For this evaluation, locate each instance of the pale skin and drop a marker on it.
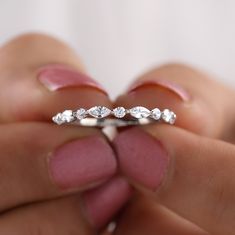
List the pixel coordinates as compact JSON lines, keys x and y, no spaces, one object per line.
{"x":196,"y":202}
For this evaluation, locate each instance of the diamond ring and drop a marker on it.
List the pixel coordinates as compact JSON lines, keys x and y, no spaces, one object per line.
{"x":101,"y":116}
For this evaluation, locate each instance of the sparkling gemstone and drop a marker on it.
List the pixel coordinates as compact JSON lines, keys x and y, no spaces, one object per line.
{"x":119,"y":112}
{"x":67,"y":116}
{"x":80,"y":113}
{"x":156,"y":114}
{"x":139,"y":112}
{"x":99,"y":111}
{"x":168,"y":116}
{"x":58,"y":119}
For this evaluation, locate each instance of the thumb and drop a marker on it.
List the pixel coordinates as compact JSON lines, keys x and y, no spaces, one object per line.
{"x":191,"y":175}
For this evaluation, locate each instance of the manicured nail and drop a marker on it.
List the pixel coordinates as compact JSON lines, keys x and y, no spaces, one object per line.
{"x":82,"y":163}
{"x":166,"y":84}
{"x":103,"y":203}
{"x":142,"y":158}
{"x":55,"y":77}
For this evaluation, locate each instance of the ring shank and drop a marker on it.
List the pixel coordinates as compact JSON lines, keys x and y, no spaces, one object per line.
{"x":94,"y":122}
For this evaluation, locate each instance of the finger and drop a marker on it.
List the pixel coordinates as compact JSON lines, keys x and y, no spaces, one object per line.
{"x":43,"y":161}
{"x":40,"y":76}
{"x":200,"y":103}
{"x":192,"y":175}
{"x":103,"y":203}
{"x":60,"y":216}
{"x":68,"y":215}
{"x":142,"y":216}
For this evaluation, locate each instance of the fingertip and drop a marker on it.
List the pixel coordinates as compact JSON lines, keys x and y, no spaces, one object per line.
{"x":103,"y":203}
{"x":182,"y":90}
{"x":42,"y":76}
{"x":142,"y":158}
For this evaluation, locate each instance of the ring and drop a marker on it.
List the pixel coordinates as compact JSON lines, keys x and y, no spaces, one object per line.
{"x":100,"y":116}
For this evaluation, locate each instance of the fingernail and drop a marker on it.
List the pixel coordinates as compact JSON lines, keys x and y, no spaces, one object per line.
{"x":56,"y":76}
{"x":165,"y":84}
{"x":102,"y":204}
{"x":82,"y":163}
{"x":142,"y":158}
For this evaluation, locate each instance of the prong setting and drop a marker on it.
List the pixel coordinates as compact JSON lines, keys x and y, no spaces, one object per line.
{"x":156,"y":114}
{"x":99,"y":111}
{"x":139,"y":112}
{"x":119,"y":112}
{"x":139,"y":116}
{"x":168,"y":116}
{"x":80,"y":113}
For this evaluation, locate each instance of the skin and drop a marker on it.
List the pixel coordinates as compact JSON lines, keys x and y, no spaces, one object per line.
{"x":27,"y":192}
{"x":163,"y":212}
{"x":207,"y":175}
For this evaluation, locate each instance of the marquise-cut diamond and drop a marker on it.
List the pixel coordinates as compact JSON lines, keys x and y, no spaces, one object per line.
{"x":58,"y":119}
{"x":119,"y":112}
{"x":99,"y":111}
{"x":168,"y":116}
{"x":156,"y":114}
{"x":67,"y":116}
{"x":139,"y":112}
{"x":80,"y":114}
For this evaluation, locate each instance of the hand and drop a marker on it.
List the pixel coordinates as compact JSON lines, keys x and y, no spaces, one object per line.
{"x":45,"y":168}
{"x":37,"y":189}
{"x":182,"y":173}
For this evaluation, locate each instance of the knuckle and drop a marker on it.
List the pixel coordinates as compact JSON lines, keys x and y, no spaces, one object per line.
{"x":222,"y":207}
{"x":220,"y":200}
{"x":222,"y":203}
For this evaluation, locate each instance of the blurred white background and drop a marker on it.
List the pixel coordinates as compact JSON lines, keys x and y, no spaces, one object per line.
{"x":119,"y":39}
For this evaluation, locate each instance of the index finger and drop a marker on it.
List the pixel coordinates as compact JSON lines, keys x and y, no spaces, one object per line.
{"x":41,"y":76}
{"x":202,"y":105}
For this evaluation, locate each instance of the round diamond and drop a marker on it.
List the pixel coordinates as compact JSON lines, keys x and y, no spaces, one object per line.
{"x":80,"y":114}
{"x":168,"y":116}
{"x":173,"y":118}
{"x":99,"y":111}
{"x":139,"y":112}
{"x":67,"y":116}
{"x":119,"y":112}
{"x":58,"y":119}
{"x":156,"y":114}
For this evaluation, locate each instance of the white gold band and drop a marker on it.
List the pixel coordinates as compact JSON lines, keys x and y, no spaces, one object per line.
{"x":101,"y":116}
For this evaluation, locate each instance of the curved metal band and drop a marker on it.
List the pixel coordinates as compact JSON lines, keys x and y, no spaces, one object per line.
{"x":94,"y":122}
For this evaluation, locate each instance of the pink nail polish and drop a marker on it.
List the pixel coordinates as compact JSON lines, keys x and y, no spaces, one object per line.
{"x":141,"y":157}
{"x":55,"y":77}
{"x":167,"y":84}
{"x":82,"y":163}
{"x":101,"y":204}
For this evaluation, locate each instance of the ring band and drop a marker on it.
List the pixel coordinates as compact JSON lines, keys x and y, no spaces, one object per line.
{"x":100,"y":116}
